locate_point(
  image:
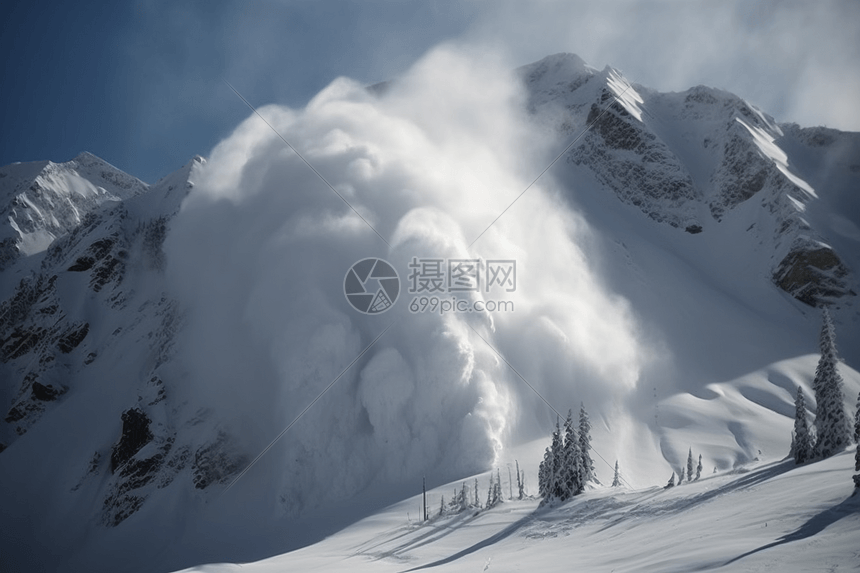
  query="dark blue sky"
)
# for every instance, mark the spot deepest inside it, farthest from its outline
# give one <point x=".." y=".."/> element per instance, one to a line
<point x="140" y="83"/>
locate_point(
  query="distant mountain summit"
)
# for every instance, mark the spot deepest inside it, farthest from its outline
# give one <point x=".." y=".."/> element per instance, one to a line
<point x="42" y="200"/>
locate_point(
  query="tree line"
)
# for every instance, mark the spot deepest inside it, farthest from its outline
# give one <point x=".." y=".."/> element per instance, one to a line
<point x="567" y="467"/>
<point x="831" y="430"/>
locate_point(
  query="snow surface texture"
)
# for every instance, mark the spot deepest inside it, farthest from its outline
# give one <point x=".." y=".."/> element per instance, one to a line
<point x="738" y="521"/>
<point x="151" y="355"/>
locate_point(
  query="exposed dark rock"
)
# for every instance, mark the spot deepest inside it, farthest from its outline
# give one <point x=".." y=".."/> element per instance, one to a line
<point x="215" y="463"/>
<point x="14" y="415"/>
<point x="49" y="310"/>
<point x="72" y="338"/>
<point x="20" y="342"/>
<point x="101" y="248"/>
<point x="82" y="264"/>
<point x="153" y="238"/>
<point x="118" y="509"/>
<point x="135" y="435"/>
<point x="617" y="132"/>
<point x="28" y="292"/>
<point x="693" y="229"/>
<point x="108" y="270"/>
<point x="46" y="393"/>
<point x="8" y="251"/>
<point x="812" y="275"/>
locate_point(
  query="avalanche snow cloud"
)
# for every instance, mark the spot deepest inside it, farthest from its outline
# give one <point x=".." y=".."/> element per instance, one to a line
<point x="261" y="246"/>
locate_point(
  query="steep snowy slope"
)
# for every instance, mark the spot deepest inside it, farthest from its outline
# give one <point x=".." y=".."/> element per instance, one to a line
<point x="732" y="522"/>
<point x="162" y="339"/>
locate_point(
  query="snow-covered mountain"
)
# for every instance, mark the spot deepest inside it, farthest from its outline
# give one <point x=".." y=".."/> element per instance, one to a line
<point x="690" y="159"/>
<point x="717" y="229"/>
<point x="43" y="200"/>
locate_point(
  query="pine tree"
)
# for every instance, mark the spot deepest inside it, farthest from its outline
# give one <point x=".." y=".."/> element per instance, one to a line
<point x="542" y="477"/>
<point x="520" y="492"/>
<point x="681" y="476"/>
<point x="477" y="501"/>
<point x="544" y="474"/>
<point x="857" y="466"/>
<point x="699" y="468"/>
<point x="857" y="453"/>
<point x="831" y="424"/>
<point x="497" y="490"/>
<point x="571" y="484"/>
<point x="442" y="507"/>
<point x="489" y="503"/>
<point x="463" y="500"/>
<point x="802" y="446"/>
<point x="586" y="469"/>
<point x="616" y="481"/>
<point x="690" y="465"/>
<point x="556" y="480"/>
<point x="671" y="482"/>
<point x="857" y="422"/>
<point x="454" y="504"/>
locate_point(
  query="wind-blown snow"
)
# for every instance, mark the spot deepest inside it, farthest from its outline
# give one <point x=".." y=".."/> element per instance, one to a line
<point x="625" y="94"/>
<point x="767" y="146"/>
<point x="261" y="246"/>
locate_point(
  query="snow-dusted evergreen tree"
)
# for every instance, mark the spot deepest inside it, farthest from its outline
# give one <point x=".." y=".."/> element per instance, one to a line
<point x="857" y="422"/>
<point x="616" y="480"/>
<point x="454" y="504"/>
<point x="463" y="499"/>
<point x="801" y="445"/>
<point x="690" y="465"/>
<point x="857" y="466"/>
<point x="490" y="489"/>
<point x="556" y="484"/>
<point x="571" y="484"/>
<point x="442" y="506"/>
<point x="671" y="482"/>
<point x="699" y="468"/>
<point x="831" y="423"/>
<point x="477" y="501"/>
<point x="520" y="485"/>
<point x="565" y="468"/>
<point x="497" y="489"/>
<point x="681" y="476"/>
<point x="586" y="470"/>
<point x="544" y="473"/>
<point x="857" y="452"/>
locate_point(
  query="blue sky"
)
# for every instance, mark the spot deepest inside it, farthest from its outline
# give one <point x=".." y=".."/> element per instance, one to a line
<point x="141" y="83"/>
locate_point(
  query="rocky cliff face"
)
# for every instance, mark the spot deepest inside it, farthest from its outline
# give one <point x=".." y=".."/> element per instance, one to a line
<point x="78" y="311"/>
<point x="689" y="159"/>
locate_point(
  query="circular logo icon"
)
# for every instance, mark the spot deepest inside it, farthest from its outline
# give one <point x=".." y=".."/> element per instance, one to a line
<point x="371" y="286"/>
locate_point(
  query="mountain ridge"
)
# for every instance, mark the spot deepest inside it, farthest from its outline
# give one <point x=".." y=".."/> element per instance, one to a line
<point x="89" y="330"/>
